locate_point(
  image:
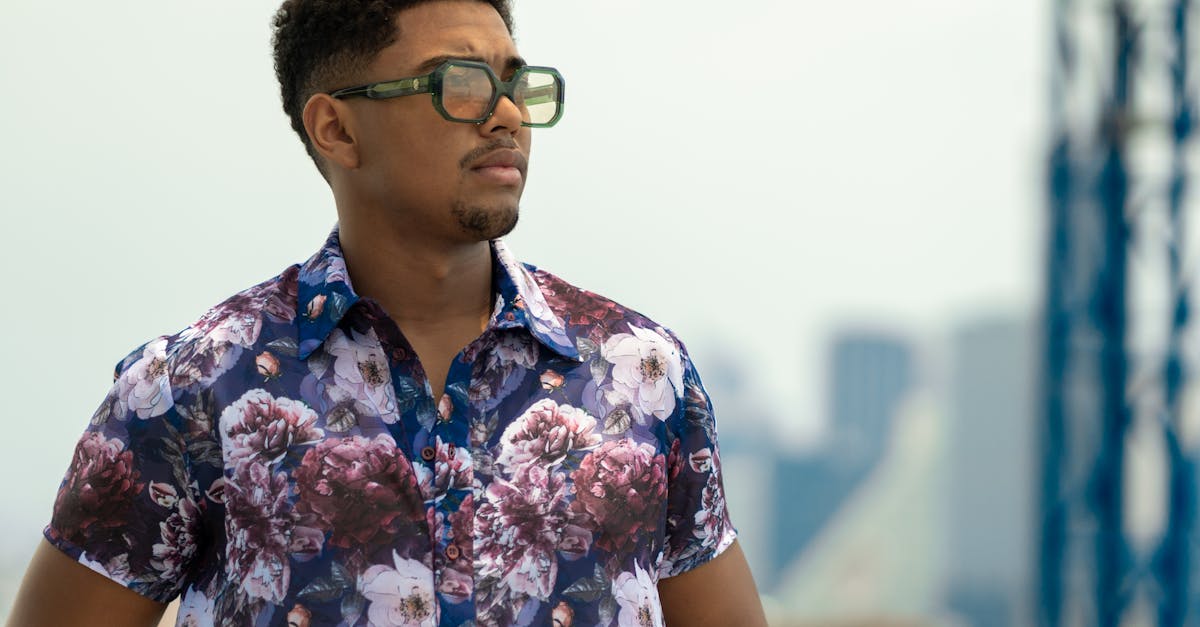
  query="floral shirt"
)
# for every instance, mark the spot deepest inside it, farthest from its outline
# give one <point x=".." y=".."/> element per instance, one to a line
<point x="282" y="461"/>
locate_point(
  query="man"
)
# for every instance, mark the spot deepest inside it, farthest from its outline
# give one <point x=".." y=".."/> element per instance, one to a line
<point x="411" y="428"/>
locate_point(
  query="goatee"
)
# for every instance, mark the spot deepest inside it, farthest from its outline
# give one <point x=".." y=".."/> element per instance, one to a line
<point x="485" y="224"/>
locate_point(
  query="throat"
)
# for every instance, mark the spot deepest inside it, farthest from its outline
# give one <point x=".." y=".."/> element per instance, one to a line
<point x="438" y="345"/>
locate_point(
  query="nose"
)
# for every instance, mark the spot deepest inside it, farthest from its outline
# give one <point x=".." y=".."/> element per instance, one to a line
<point x="506" y="118"/>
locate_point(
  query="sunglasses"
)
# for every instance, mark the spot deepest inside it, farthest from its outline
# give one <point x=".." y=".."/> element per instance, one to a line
<point x="468" y="91"/>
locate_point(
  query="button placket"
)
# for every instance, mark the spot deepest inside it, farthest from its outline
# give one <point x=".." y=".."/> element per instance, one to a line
<point x="450" y="433"/>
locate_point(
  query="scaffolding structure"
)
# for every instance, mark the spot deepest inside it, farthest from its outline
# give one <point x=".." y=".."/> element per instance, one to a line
<point x="1118" y="501"/>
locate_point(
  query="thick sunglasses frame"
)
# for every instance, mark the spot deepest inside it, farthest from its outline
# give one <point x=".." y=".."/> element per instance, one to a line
<point x="432" y="84"/>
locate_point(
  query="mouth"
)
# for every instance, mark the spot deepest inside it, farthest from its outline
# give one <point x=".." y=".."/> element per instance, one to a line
<point x="501" y="167"/>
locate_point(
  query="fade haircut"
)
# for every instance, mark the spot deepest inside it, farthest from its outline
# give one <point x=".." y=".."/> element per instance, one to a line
<point x="319" y="44"/>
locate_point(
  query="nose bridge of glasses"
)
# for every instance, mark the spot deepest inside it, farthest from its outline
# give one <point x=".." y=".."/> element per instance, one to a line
<point x="509" y="87"/>
<point x="471" y="91"/>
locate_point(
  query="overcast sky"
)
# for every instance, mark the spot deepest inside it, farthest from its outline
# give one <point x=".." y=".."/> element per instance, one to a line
<point x="753" y="175"/>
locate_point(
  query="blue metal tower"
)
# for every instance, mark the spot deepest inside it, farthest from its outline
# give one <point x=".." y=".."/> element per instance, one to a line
<point x="1117" y="312"/>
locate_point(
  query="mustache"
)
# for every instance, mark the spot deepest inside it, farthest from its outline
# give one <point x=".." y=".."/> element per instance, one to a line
<point x="475" y="155"/>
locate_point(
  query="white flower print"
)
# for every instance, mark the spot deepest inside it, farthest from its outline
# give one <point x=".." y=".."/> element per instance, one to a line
<point x="514" y="349"/>
<point x="400" y="597"/>
<point x="196" y="610"/>
<point x="117" y="569"/>
<point x="145" y="388"/>
<point x="360" y="365"/>
<point x="637" y="596"/>
<point x="647" y="371"/>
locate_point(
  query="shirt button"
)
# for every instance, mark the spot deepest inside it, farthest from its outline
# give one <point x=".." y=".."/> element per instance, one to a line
<point x="428" y="453"/>
<point x="452" y="552"/>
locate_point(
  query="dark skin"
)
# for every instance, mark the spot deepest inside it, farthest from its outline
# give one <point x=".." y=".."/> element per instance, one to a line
<point x="402" y="205"/>
<point x="418" y="199"/>
<point x="95" y="599"/>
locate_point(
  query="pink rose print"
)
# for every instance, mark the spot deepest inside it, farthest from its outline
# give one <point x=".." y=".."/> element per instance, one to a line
<point x="545" y="434"/>
<point x="267" y="364"/>
<point x="562" y="615"/>
<point x="216" y="491"/>
<point x="701" y="461"/>
<point x="315" y="307"/>
<point x="452" y="470"/>
<point x="238" y="320"/>
<point x="262" y="531"/>
<point x="551" y="380"/>
<point x="164" y="494"/>
<point x="674" y="459"/>
<point x="178" y="546"/>
<point x="622" y="485"/>
<point x="359" y="490"/>
<point x="521" y="525"/>
<point x="98" y="492"/>
<point x="711" y="519"/>
<point x="584" y="307"/>
<point x="201" y="358"/>
<point x="299" y="616"/>
<point x="266" y="427"/>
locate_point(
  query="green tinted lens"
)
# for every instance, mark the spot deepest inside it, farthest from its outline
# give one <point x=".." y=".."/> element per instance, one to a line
<point x="538" y="95"/>
<point x="467" y="92"/>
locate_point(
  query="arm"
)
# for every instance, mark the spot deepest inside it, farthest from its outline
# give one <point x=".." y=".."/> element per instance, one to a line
<point x="60" y="591"/>
<point x="717" y="593"/>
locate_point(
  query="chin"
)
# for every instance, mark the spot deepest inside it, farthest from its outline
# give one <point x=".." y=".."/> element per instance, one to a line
<point x="480" y="223"/>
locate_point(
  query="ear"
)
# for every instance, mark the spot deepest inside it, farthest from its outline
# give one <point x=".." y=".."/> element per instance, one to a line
<point x="329" y="124"/>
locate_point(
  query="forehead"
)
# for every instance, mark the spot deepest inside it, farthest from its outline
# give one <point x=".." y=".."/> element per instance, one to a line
<point x="460" y="28"/>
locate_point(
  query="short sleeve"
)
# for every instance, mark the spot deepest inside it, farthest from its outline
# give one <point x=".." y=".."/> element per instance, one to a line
<point x="127" y="507"/>
<point x="698" y="526"/>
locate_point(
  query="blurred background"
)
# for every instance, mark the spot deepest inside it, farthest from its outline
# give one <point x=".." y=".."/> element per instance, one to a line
<point x="928" y="255"/>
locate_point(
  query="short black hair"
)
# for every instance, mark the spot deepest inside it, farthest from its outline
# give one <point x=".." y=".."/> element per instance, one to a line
<point x="318" y="43"/>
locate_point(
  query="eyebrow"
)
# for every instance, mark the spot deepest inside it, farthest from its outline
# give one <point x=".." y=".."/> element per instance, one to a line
<point x="512" y="63"/>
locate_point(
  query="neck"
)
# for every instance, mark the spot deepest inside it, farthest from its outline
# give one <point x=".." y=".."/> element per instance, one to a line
<point x="418" y="281"/>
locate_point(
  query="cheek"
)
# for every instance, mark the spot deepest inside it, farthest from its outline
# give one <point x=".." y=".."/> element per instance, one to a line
<point x="415" y="160"/>
<point x="525" y="139"/>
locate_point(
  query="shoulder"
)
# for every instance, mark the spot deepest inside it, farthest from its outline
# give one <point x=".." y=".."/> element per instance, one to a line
<point x="589" y="314"/>
<point x="639" y="356"/>
<point x="150" y="377"/>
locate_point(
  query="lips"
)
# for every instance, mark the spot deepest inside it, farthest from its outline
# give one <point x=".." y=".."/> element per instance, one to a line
<point x="504" y="166"/>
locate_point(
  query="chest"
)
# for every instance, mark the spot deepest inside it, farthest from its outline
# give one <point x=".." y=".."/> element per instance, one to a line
<point x="347" y="477"/>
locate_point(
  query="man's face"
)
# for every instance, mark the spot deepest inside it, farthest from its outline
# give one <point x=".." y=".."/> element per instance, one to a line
<point x="450" y="181"/>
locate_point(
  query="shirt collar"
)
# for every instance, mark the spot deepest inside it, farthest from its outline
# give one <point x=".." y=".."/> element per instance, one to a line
<point x="325" y="294"/>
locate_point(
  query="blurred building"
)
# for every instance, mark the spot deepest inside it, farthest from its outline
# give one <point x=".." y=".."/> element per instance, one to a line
<point x="991" y="472"/>
<point x="881" y="558"/>
<point x="870" y="375"/>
